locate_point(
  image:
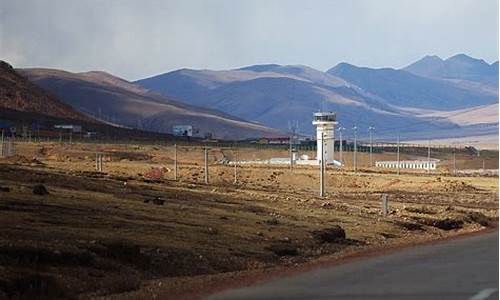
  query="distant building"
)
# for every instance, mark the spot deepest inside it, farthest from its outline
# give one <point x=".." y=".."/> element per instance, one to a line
<point x="408" y="164"/>
<point x="69" y="127"/>
<point x="182" y="130"/>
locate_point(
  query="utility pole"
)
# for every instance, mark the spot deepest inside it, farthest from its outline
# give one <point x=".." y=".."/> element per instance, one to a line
<point x="235" y="167"/>
<point x="454" y="161"/>
<point x="355" y="148"/>
<point x="322" y="169"/>
<point x="206" y="166"/>
<point x="291" y="155"/>
<point x="340" y="129"/>
<point x="429" y="157"/>
<point x="398" y="155"/>
<point x="370" y="129"/>
<point x="175" y="162"/>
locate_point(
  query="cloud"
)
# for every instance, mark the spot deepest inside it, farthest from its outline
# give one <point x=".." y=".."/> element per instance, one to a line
<point x="134" y="39"/>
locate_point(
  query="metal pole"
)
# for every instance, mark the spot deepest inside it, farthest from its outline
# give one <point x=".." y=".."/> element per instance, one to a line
<point x="371" y="128"/>
<point x="355" y="148"/>
<point x="340" y="136"/>
<point x="291" y="156"/>
<point x="398" y="155"/>
<point x="429" y="157"/>
<point x="454" y="161"/>
<point x="100" y="162"/>
<point x="175" y="161"/>
<point x="97" y="161"/>
<point x="322" y="169"/>
<point x="235" y="167"/>
<point x="206" y="166"/>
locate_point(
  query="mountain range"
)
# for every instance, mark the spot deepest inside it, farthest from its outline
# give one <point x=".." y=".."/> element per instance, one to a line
<point x="431" y="98"/>
<point x="411" y="101"/>
<point x="114" y="100"/>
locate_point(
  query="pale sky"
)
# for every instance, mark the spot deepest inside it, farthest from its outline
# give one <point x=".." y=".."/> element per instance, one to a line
<point x="136" y="39"/>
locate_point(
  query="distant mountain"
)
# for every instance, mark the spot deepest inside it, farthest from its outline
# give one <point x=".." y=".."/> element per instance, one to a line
<point x="275" y="95"/>
<point x="118" y="101"/>
<point x="19" y="94"/>
<point x="404" y="89"/>
<point x="391" y="100"/>
<point x="460" y="67"/>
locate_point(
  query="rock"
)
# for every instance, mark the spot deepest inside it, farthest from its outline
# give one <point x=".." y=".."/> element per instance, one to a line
<point x="444" y="224"/>
<point x="158" y="201"/>
<point x="40" y="189"/>
<point x="212" y="231"/>
<point x="408" y="225"/>
<point x="448" y="224"/>
<point x="284" y="249"/>
<point x="330" y="235"/>
<point x="272" y="221"/>
<point x="477" y="217"/>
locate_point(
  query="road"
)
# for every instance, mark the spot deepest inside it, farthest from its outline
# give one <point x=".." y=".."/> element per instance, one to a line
<point x="465" y="268"/>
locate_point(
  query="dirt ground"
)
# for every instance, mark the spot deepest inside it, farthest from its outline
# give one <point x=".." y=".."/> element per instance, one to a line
<point x="132" y="231"/>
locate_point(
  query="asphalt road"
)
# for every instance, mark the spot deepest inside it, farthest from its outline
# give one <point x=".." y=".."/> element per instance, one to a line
<point x="464" y="268"/>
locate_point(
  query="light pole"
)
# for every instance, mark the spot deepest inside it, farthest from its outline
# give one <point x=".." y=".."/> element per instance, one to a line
<point x="322" y="170"/>
<point x="398" y="155"/>
<point x="370" y="129"/>
<point x="454" y="161"/>
<point x="340" y="129"/>
<point x="355" y="148"/>
<point x="429" y="157"/>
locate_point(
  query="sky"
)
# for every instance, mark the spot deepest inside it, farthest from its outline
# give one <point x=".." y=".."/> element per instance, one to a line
<point x="137" y="39"/>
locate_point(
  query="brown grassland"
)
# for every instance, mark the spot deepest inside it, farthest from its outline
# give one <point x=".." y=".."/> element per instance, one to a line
<point x="133" y="232"/>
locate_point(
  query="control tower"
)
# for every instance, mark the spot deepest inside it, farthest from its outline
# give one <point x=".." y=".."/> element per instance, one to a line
<point x="325" y="135"/>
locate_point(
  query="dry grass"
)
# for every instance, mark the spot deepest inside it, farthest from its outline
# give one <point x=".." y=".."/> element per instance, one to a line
<point x="118" y="232"/>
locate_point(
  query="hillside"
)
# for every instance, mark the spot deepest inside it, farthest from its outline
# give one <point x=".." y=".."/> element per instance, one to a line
<point x="19" y="94"/>
<point x="404" y="89"/>
<point x="118" y="101"/>
<point x="275" y="95"/>
<point x="460" y="66"/>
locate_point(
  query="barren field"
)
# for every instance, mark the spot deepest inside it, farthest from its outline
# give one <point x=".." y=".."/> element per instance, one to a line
<point x="132" y="231"/>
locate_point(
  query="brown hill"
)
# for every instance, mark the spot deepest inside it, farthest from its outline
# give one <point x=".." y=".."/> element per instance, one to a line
<point x="118" y="101"/>
<point x="18" y="93"/>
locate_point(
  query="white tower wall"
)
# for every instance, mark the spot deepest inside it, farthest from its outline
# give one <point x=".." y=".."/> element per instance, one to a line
<point x="325" y="135"/>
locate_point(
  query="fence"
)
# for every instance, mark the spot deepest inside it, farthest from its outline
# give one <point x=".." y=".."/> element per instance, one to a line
<point x="7" y="146"/>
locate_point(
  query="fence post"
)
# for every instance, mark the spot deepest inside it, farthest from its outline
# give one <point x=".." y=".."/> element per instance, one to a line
<point x="385" y="205"/>
<point x="97" y="162"/>
<point x="2" y="146"/>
